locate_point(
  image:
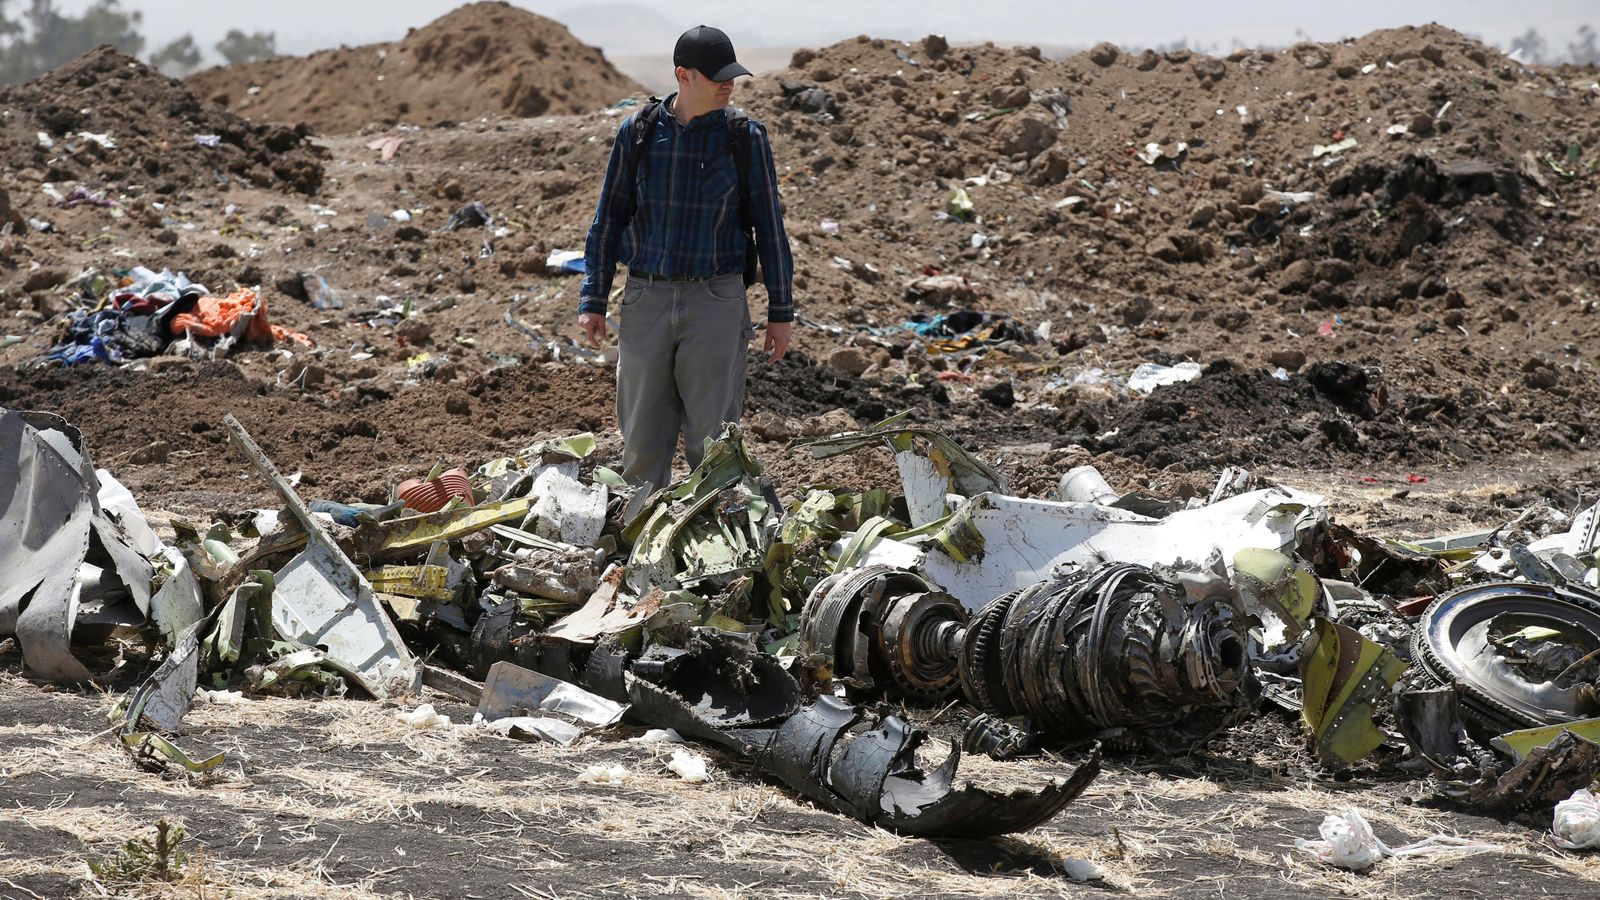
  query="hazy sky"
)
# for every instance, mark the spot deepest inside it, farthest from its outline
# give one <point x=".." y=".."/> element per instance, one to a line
<point x="650" y="26"/>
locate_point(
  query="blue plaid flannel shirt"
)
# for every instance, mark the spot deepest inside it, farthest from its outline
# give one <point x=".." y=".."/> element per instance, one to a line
<point x="682" y="219"/>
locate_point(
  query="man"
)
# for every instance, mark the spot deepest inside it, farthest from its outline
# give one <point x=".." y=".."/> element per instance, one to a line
<point x="679" y="229"/>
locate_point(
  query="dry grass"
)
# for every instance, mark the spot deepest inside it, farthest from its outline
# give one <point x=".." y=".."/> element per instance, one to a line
<point x="300" y="772"/>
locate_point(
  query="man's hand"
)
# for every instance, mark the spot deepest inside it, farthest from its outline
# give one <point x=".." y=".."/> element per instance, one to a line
<point x="778" y="339"/>
<point x="594" y="328"/>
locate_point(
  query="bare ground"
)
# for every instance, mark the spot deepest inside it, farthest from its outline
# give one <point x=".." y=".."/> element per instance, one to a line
<point x="339" y="798"/>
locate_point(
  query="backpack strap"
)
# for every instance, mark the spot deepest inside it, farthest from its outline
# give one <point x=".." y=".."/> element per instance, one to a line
<point x="644" y="124"/>
<point x="739" y="148"/>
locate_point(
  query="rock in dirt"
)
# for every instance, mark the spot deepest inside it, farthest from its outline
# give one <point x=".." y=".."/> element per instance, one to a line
<point x="1290" y="360"/>
<point x="1028" y="136"/>
<point x="831" y="422"/>
<point x="156" y="452"/>
<point x="9" y="215"/>
<point x="1104" y="53"/>
<point x="414" y="331"/>
<point x="1297" y="276"/>
<point x="772" y="427"/>
<point x="1208" y="69"/>
<point x="44" y="279"/>
<point x="1000" y="394"/>
<point x="848" y="361"/>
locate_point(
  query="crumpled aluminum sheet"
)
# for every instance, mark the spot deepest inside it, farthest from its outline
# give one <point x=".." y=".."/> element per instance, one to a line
<point x="50" y="518"/>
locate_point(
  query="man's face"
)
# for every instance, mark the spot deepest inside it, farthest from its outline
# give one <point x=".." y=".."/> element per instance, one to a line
<point x="701" y="91"/>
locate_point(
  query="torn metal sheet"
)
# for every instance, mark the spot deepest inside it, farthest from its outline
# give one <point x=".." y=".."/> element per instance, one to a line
<point x="165" y="697"/>
<point x="415" y="534"/>
<point x="1524" y="741"/>
<point x="533" y="728"/>
<point x="1343" y="675"/>
<point x="1478" y="637"/>
<point x="50" y="520"/>
<point x="605" y="613"/>
<point x="800" y="556"/>
<point x="565" y="510"/>
<point x="932" y="466"/>
<point x="1578" y="542"/>
<point x="1390" y="567"/>
<point x="1543" y="778"/>
<point x="453" y="683"/>
<point x="421" y="582"/>
<point x="509" y="477"/>
<point x="1430" y="720"/>
<point x="513" y="691"/>
<point x="1532" y="770"/>
<point x="152" y="751"/>
<point x="1271" y="580"/>
<point x="321" y="600"/>
<point x="179" y="603"/>
<point x="1118" y="647"/>
<point x="994" y="544"/>
<point x="711" y="529"/>
<point x="1527" y="786"/>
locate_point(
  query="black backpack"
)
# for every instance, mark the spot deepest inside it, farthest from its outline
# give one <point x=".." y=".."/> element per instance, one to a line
<point x="738" y="147"/>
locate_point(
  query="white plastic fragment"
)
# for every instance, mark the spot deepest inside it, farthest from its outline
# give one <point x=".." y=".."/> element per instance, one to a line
<point x="1348" y="842"/>
<point x="1149" y="376"/>
<point x="658" y="736"/>
<point x="222" y="698"/>
<point x="1577" y="821"/>
<point x="689" y="766"/>
<point x="1290" y="198"/>
<point x="1082" y="870"/>
<point x="601" y="774"/>
<point x="401" y="215"/>
<point x="424" y="718"/>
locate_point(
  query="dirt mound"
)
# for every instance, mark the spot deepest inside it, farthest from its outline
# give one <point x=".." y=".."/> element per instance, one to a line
<point x="1412" y="199"/>
<point x="1448" y="263"/>
<point x="108" y="119"/>
<point x="481" y="59"/>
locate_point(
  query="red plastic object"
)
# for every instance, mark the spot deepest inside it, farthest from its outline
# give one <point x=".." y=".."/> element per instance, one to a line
<point x="432" y="495"/>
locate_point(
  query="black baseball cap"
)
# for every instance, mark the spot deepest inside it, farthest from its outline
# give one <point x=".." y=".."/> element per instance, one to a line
<point x="708" y="51"/>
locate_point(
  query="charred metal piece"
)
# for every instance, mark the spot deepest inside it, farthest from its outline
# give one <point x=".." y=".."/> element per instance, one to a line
<point x="1526" y="786"/>
<point x="880" y="629"/>
<point x="1469" y="637"/>
<point x="1118" y="647"/>
<point x="997" y="738"/>
<point x="720" y="688"/>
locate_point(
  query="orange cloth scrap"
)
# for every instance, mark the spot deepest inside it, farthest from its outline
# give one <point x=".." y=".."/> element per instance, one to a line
<point x="215" y="316"/>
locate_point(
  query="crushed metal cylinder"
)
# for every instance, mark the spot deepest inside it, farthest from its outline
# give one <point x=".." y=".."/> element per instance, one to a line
<point x="1115" y="647"/>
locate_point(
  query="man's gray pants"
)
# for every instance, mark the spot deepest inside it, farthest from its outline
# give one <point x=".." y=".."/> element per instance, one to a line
<point x="681" y="369"/>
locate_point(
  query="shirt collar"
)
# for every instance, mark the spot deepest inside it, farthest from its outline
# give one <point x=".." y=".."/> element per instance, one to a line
<point x="715" y="116"/>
